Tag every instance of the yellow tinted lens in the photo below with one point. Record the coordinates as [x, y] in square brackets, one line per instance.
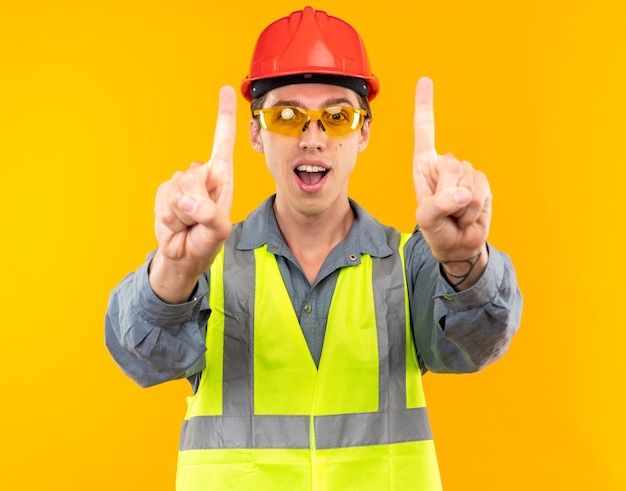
[341, 120]
[285, 120]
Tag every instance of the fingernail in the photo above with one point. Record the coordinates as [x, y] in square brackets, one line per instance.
[188, 204]
[461, 196]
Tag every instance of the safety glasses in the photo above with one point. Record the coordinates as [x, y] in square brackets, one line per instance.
[293, 120]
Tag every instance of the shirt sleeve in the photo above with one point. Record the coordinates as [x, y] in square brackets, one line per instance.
[461, 332]
[150, 340]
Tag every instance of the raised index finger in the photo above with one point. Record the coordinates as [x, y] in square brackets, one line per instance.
[225, 128]
[219, 169]
[424, 119]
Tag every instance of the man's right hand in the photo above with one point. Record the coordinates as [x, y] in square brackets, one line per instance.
[193, 213]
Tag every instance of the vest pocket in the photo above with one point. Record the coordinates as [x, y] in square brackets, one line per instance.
[215, 469]
[243, 469]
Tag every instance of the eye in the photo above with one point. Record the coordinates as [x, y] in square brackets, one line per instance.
[336, 114]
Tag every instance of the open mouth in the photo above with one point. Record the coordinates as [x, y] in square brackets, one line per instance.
[311, 174]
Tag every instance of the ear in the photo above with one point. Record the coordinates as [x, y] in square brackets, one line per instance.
[365, 135]
[255, 136]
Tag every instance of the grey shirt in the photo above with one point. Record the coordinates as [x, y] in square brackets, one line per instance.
[454, 332]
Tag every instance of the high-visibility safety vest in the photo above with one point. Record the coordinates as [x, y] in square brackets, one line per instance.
[265, 417]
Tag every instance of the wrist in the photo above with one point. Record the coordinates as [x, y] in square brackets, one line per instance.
[172, 281]
[462, 272]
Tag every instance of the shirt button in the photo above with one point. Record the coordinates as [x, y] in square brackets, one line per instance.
[308, 309]
[352, 257]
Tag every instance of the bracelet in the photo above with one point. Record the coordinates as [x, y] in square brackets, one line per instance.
[471, 262]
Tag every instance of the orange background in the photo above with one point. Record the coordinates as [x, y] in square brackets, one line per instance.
[101, 101]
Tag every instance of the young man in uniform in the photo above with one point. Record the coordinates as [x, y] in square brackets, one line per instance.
[305, 329]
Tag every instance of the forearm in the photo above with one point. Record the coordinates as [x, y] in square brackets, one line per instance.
[152, 341]
[458, 332]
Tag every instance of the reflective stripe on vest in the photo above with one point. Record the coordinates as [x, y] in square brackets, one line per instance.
[261, 391]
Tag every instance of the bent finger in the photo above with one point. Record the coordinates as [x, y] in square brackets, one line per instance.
[436, 209]
[479, 208]
[165, 209]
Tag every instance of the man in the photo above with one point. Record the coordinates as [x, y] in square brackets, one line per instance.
[305, 329]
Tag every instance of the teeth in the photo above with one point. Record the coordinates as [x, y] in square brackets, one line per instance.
[310, 168]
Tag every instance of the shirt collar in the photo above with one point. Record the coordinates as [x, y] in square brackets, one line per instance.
[366, 236]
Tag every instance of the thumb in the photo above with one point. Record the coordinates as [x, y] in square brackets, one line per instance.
[445, 203]
[461, 196]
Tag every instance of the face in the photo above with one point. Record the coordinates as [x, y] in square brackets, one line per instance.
[311, 170]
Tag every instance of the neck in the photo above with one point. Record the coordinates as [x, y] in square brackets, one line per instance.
[311, 237]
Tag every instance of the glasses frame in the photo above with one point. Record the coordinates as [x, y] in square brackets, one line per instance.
[357, 117]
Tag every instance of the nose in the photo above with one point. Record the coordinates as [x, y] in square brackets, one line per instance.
[313, 136]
